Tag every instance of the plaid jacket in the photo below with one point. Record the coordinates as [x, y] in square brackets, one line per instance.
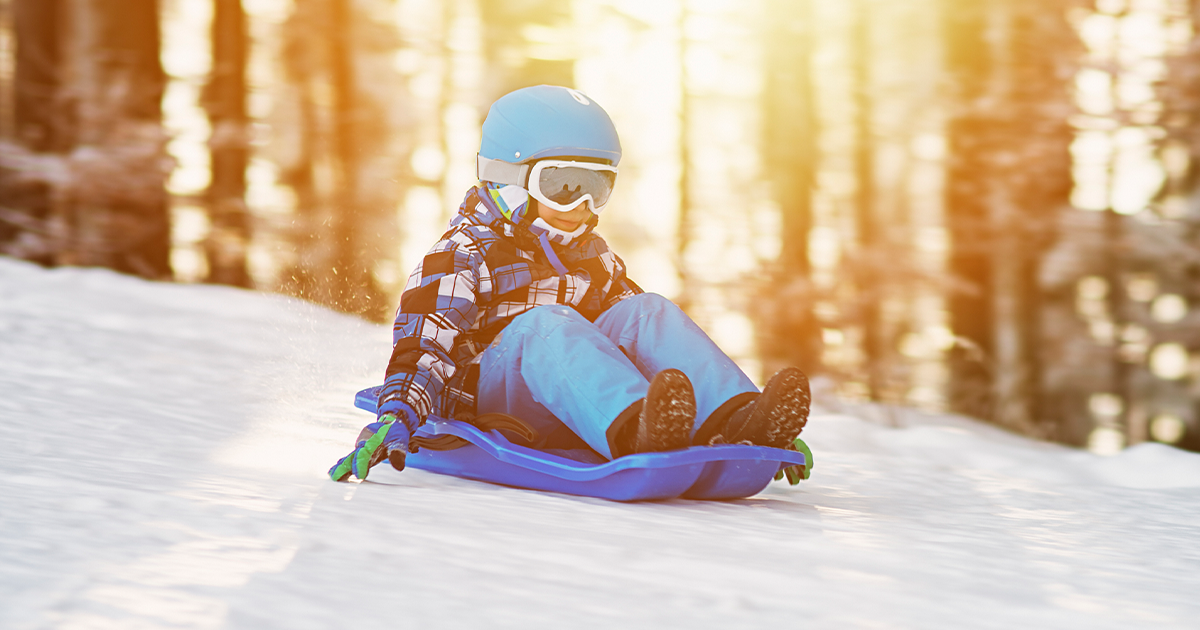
[481, 274]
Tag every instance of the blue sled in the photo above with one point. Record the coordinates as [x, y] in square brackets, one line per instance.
[729, 471]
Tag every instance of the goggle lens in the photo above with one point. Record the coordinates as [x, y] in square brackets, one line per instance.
[566, 184]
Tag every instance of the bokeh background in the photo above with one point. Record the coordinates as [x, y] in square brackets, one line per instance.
[981, 206]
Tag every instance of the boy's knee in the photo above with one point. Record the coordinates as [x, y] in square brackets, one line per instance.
[653, 302]
[541, 316]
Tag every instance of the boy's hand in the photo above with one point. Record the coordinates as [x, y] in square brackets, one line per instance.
[797, 473]
[388, 438]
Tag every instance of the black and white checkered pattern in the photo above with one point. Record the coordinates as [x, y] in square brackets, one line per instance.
[483, 272]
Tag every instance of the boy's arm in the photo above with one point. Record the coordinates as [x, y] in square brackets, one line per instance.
[438, 304]
[622, 287]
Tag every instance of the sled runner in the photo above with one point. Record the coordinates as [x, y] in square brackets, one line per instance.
[462, 449]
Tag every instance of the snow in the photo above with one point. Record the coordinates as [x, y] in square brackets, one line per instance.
[164, 457]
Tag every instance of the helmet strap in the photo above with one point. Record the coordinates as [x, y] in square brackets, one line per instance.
[500, 172]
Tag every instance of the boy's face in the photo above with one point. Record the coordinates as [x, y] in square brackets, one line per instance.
[565, 221]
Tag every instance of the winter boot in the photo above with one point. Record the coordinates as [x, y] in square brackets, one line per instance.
[664, 420]
[773, 419]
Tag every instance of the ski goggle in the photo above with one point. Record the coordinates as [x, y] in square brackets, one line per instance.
[563, 185]
[560, 185]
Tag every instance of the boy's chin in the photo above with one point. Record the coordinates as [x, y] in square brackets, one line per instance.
[566, 226]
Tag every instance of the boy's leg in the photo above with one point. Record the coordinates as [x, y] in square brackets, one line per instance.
[656, 335]
[549, 364]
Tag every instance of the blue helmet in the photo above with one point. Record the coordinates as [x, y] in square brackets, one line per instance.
[548, 121]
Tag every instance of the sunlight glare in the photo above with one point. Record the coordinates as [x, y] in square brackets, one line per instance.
[187, 62]
[929, 146]
[1169, 361]
[1092, 288]
[1167, 428]
[422, 224]
[428, 162]
[824, 247]
[1169, 308]
[734, 332]
[1094, 91]
[1105, 405]
[1106, 441]
[1142, 287]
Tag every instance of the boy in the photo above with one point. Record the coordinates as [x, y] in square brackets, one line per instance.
[522, 309]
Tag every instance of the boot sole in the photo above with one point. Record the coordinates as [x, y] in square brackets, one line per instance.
[670, 411]
[788, 402]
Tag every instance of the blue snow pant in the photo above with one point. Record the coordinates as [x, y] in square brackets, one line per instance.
[559, 372]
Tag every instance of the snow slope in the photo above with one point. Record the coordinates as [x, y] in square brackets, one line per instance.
[163, 461]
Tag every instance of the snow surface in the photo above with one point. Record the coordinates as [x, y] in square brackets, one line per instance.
[163, 461]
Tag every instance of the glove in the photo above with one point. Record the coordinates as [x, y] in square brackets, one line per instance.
[388, 438]
[797, 473]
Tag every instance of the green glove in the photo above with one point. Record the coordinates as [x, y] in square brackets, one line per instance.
[386, 439]
[796, 473]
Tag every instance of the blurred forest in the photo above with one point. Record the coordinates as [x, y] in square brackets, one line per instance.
[983, 206]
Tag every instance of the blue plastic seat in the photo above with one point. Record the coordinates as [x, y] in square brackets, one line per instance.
[728, 471]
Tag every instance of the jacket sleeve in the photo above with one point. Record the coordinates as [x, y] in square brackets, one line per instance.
[622, 287]
[439, 303]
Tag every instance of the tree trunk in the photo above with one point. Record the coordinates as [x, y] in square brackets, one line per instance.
[27, 203]
[119, 167]
[866, 219]
[1009, 178]
[792, 333]
[225, 101]
[344, 120]
[683, 228]
[968, 65]
[351, 281]
[346, 269]
[1010, 379]
[38, 117]
[90, 81]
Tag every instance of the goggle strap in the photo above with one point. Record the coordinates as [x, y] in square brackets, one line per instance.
[501, 172]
